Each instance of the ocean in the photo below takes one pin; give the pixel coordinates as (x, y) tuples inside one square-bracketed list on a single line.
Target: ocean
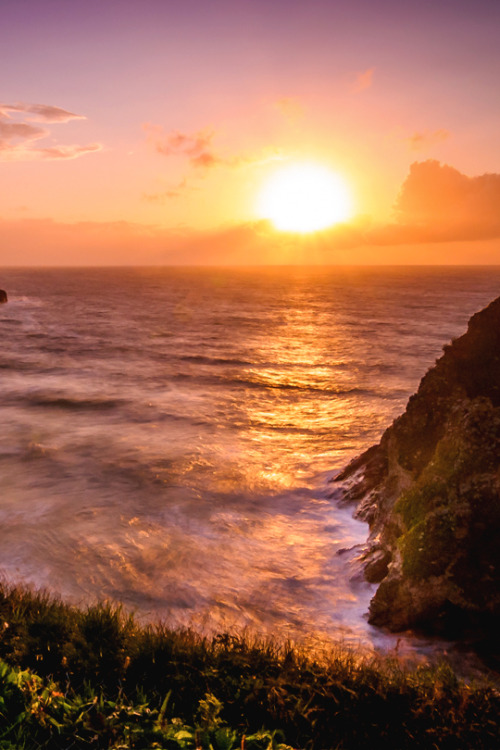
[(168, 434)]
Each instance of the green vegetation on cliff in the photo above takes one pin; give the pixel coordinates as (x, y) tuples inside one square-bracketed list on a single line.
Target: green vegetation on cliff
[(93, 678), (431, 493), (451, 514)]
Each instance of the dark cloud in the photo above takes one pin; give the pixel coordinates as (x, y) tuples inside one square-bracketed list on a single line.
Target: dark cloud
[(18, 133)]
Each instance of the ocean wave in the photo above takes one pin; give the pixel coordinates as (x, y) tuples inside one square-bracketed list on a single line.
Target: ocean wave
[(17, 365), (226, 381), (291, 429), (262, 384), (204, 360), (160, 448), (71, 403)]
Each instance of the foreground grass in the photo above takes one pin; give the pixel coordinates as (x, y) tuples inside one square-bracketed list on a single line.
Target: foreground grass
[(73, 678)]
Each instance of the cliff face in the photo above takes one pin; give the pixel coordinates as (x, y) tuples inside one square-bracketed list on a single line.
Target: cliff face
[(430, 491)]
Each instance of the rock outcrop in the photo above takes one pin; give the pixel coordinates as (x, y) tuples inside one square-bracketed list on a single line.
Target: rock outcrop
[(430, 491), (3, 296)]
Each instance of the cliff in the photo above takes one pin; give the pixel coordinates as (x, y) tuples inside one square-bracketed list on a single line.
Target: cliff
[(430, 491)]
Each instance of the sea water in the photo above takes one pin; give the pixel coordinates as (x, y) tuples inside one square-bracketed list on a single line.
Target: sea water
[(168, 435)]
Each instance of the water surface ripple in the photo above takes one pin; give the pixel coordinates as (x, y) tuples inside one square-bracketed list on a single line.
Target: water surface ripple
[(167, 434)]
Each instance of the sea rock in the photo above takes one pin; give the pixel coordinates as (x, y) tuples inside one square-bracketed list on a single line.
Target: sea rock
[(377, 562), (430, 491), (3, 296)]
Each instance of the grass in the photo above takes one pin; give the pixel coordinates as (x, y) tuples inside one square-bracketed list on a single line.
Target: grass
[(77, 678)]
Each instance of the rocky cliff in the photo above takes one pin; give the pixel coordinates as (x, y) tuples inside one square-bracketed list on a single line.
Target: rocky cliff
[(430, 491)]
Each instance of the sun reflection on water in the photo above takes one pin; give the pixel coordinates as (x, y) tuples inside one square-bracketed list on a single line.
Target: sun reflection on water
[(174, 454)]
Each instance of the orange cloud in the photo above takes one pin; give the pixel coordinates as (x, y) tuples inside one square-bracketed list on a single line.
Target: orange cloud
[(28, 242), (440, 213), (364, 80), (18, 135), (205, 159), (421, 140), (440, 198), (197, 147), (38, 242)]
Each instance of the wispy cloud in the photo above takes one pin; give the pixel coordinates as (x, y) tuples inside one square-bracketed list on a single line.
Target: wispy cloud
[(199, 155), (21, 130), (40, 112), (425, 138), (198, 150), (363, 80), (196, 147), (205, 158)]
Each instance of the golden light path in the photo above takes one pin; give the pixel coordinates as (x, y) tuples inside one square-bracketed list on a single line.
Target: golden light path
[(304, 197)]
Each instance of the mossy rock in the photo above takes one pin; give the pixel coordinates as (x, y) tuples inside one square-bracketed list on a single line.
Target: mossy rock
[(434, 501)]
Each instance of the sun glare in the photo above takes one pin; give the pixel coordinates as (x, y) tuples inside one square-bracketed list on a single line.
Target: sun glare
[(304, 198)]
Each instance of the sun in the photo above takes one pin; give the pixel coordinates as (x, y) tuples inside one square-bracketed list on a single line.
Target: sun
[(304, 197)]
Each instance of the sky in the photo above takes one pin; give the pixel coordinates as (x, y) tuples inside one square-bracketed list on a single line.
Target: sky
[(143, 132)]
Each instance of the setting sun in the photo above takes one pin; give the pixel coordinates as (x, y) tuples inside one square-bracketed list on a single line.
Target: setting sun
[(304, 198)]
